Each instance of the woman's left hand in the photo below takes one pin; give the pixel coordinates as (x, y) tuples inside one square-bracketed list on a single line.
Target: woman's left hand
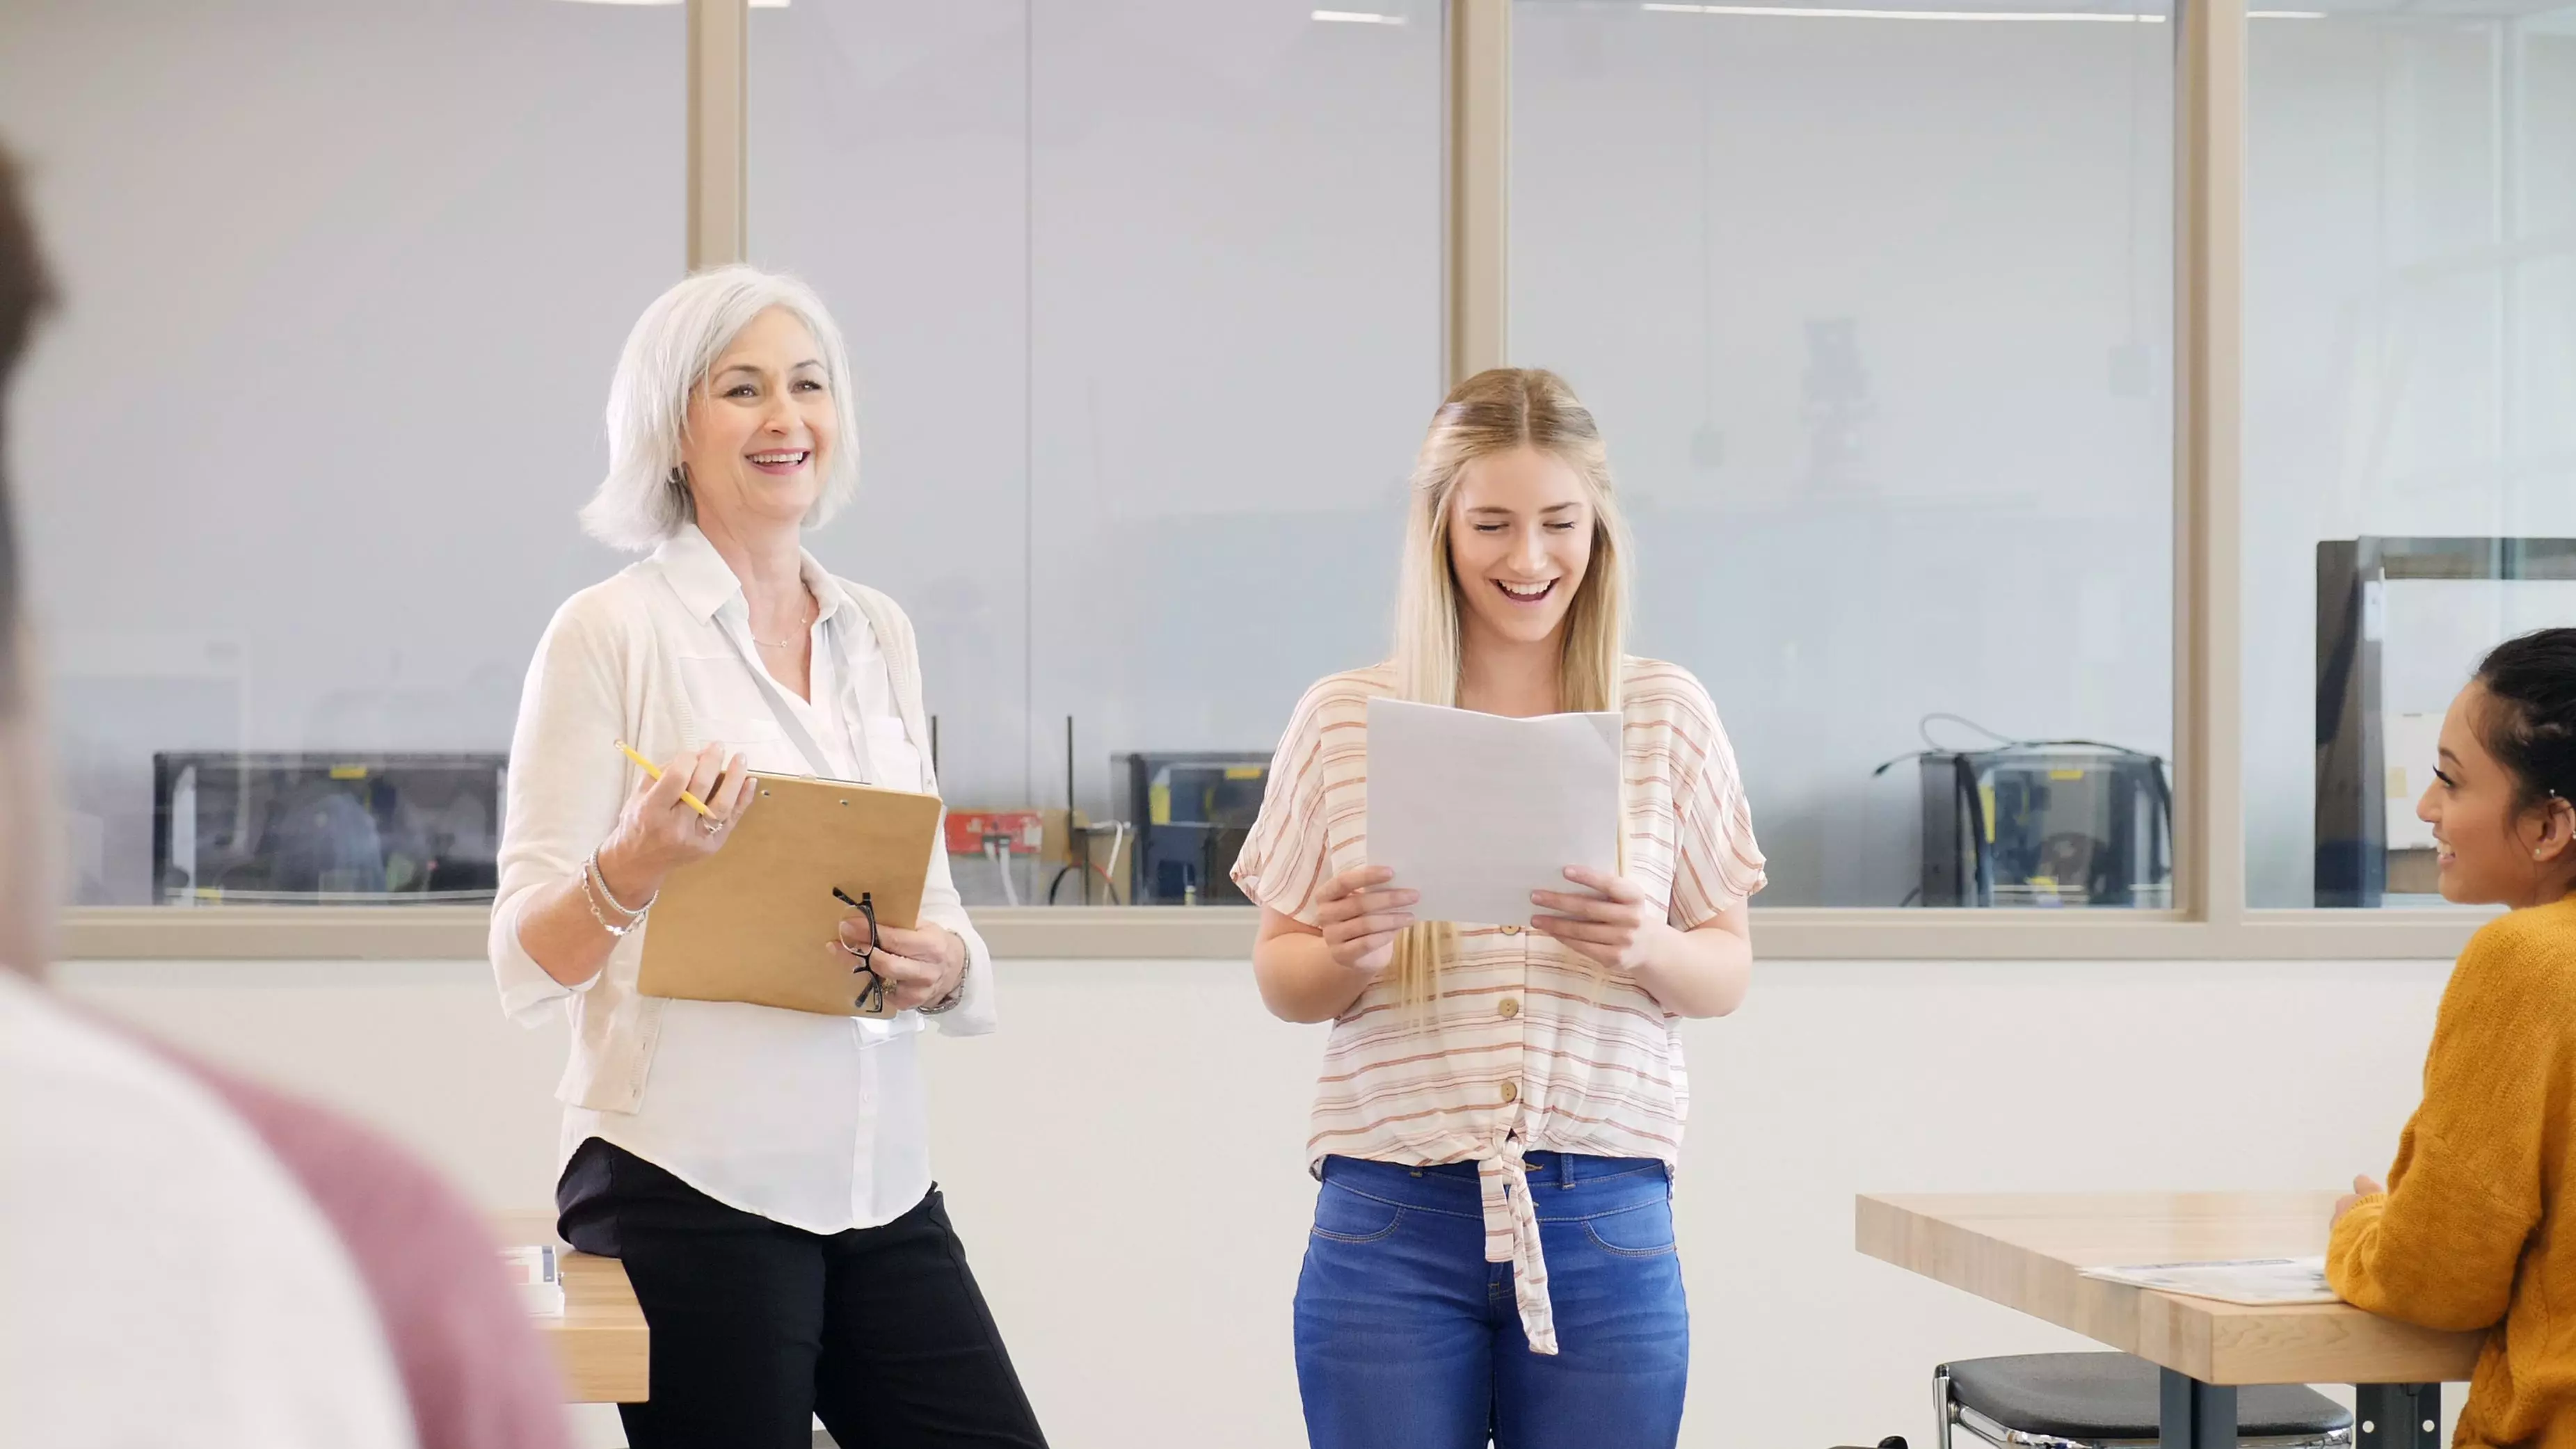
[(2362, 1187), (1614, 925), (919, 967)]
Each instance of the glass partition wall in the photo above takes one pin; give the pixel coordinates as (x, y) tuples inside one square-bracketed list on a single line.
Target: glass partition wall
[(1146, 301), (1876, 310), (298, 454), (1882, 311), (2410, 412)]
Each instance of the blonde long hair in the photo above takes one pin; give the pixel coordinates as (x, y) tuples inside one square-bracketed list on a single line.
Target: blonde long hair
[(1498, 411)]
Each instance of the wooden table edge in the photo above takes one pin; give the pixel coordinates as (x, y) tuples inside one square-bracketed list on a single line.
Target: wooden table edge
[(623, 1380), (602, 1350), (2201, 1337)]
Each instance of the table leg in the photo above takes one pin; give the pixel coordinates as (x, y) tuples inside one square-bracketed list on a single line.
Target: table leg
[(2194, 1415), (2396, 1416)]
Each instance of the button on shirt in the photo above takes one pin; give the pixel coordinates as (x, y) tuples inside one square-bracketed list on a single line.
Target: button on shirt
[(1526, 1046), (817, 1122)]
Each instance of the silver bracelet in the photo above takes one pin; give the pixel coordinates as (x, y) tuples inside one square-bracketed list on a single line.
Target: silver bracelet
[(591, 867), (949, 1002), (590, 898)]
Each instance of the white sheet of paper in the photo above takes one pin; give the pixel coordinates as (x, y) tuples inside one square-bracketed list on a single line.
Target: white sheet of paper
[(2257, 1281), (1476, 810)]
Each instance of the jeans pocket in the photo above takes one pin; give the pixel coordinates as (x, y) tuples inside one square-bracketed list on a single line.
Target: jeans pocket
[(1643, 1231), (1345, 1216)]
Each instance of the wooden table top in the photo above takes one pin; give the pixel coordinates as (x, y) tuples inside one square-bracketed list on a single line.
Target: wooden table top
[(2026, 1251), (600, 1340)]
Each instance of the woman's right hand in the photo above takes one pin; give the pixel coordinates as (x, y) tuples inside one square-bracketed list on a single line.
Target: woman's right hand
[(1360, 918), (657, 833)]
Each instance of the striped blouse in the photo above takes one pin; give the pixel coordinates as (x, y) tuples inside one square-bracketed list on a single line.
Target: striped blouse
[(1526, 1046)]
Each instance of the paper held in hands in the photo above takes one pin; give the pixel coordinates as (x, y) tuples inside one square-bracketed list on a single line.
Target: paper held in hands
[(1475, 811), (2254, 1281)]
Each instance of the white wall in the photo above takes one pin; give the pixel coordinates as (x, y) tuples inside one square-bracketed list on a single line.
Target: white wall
[(1124, 1159)]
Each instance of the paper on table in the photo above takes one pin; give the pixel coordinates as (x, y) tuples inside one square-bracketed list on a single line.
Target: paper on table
[(2257, 1281), (538, 1272), (1475, 811)]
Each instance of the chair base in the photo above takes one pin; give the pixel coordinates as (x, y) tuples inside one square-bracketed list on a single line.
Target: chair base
[(1983, 1430), (1990, 1432)]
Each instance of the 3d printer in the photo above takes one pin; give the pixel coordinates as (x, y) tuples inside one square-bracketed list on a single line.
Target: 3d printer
[(317, 829), (2072, 824), (1192, 812)]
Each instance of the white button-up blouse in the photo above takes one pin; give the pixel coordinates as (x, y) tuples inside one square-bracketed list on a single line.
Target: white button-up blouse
[(814, 1121)]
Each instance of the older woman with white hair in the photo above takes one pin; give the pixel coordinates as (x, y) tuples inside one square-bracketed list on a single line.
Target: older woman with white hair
[(764, 1173)]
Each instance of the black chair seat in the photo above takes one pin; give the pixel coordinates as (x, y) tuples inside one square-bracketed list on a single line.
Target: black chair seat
[(2116, 1396)]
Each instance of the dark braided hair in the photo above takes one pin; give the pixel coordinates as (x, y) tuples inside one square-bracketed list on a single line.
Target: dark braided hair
[(2532, 727)]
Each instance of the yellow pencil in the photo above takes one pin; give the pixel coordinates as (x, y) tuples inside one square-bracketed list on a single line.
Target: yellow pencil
[(649, 768)]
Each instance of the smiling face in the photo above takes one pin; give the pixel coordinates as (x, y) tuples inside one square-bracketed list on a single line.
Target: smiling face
[(761, 431), (1520, 539), (2495, 846)]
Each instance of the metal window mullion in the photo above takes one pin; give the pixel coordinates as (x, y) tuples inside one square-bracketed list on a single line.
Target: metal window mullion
[(1477, 223), (2209, 794), (719, 54)]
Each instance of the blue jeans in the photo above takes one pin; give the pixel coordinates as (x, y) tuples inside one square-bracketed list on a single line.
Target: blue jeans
[(1408, 1339)]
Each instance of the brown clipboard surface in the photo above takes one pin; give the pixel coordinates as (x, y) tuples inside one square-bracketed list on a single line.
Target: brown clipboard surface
[(756, 921)]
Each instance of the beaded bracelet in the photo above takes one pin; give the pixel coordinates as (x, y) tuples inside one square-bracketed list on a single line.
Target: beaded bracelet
[(594, 889), (590, 898)]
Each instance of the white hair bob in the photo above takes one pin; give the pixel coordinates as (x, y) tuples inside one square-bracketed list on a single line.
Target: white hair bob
[(674, 346)]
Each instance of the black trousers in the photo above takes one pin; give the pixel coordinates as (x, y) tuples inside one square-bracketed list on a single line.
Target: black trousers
[(756, 1327)]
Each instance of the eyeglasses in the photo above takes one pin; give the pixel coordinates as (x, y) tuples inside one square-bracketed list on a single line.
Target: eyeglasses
[(871, 998)]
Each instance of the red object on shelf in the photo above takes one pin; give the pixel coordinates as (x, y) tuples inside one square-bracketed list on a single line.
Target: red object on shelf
[(968, 830)]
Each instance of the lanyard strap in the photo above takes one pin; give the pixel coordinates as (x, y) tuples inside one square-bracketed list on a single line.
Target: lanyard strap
[(797, 734)]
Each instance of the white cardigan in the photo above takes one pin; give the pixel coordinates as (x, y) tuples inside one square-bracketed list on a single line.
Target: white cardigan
[(607, 669)]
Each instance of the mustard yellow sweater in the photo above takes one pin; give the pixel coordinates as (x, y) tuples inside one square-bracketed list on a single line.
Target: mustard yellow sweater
[(2474, 1230)]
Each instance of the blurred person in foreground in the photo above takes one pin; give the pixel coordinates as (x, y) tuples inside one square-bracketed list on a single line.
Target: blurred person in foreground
[(186, 1255)]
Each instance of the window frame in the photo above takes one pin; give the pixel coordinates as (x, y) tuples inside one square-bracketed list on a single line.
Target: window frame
[(2210, 919)]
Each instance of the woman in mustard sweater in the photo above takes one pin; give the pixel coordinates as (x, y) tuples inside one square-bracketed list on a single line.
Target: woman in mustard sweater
[(2472, 1230)]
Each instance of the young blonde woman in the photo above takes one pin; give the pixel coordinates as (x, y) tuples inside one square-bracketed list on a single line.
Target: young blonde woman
[(1501, 1104)]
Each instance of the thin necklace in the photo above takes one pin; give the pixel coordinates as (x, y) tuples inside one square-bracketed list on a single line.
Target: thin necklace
[(789, 642)]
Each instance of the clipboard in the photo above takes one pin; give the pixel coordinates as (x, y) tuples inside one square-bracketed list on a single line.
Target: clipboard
[(757, 920)]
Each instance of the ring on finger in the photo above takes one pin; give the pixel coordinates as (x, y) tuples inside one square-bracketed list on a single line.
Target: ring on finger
[(712, 825)]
